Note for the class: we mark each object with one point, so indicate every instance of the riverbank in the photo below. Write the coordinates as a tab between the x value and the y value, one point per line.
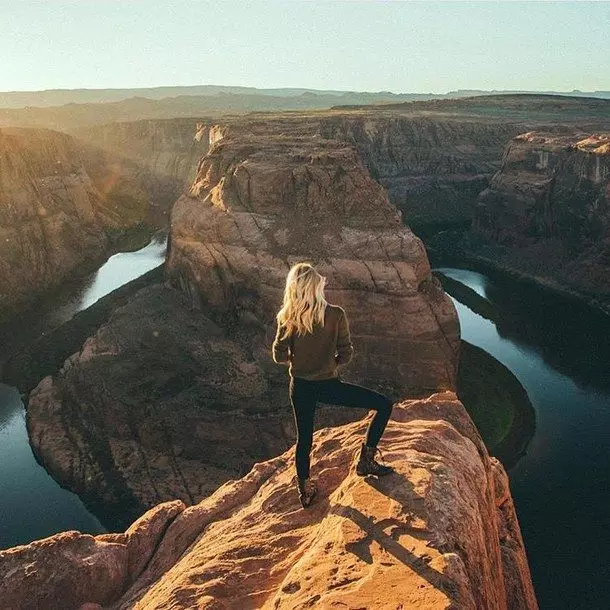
558	351
497	403
45	355
453	248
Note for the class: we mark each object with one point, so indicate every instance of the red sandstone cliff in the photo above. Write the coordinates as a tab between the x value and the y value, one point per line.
432	166
166	151
169	402
269	194
439	533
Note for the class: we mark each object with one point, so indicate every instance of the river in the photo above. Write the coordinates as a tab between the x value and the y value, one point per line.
560	352
32	504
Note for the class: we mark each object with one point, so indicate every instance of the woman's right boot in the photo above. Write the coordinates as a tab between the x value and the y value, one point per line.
368	465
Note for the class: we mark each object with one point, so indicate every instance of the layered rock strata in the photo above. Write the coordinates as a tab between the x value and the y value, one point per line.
441	532
167	401
166	151
548	211
433	167
63	208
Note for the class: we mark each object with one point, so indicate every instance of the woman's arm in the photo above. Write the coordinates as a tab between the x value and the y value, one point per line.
345	349
280	347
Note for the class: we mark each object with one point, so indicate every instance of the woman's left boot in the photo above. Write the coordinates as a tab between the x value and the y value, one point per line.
307	490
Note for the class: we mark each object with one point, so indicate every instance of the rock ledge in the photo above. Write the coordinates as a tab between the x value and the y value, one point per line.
439	533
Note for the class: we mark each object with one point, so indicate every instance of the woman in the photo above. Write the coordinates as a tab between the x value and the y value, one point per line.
313	337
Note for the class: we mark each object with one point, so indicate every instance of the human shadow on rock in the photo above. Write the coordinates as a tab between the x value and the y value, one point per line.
375	532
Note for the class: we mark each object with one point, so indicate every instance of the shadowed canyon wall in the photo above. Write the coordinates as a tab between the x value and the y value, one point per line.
548	210
63	207
66	204
166	151
432	167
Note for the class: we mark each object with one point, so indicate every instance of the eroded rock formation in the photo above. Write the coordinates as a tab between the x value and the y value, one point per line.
548	209
167	401
166	151
266	197
439	533
433	167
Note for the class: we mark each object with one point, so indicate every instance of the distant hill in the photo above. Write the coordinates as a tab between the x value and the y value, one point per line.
59	97
157	104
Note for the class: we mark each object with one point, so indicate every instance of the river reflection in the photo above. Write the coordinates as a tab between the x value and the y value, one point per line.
569	336
561	486
32	504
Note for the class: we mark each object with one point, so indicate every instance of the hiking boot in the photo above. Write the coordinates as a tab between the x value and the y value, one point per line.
307	490
368	465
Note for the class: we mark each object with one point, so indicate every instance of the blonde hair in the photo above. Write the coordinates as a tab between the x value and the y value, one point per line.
304	302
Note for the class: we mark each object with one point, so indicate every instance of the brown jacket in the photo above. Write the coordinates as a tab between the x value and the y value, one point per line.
317	355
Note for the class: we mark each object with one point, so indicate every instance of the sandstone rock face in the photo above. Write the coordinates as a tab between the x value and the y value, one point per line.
63	207
161	403
433	167
74	570
441	532
269	195
548	208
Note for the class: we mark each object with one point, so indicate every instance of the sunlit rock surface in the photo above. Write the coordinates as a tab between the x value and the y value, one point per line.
64	206
177	392
166	151
439	533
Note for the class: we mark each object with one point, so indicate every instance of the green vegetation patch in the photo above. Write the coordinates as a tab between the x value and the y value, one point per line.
497	403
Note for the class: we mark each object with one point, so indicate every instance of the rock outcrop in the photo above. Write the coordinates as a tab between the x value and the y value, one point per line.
441	532
270	194
161	403
548	211
63	208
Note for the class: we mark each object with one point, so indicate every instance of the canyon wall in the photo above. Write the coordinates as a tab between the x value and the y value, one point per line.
166	151
270	194
440	532
177	392
548	211
67	203
62	208
432	167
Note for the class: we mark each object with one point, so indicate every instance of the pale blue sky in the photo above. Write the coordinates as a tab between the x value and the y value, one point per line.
372	46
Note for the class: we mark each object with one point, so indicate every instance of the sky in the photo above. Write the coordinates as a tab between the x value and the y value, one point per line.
419	46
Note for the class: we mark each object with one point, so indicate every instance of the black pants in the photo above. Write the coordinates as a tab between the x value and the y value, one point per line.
304	394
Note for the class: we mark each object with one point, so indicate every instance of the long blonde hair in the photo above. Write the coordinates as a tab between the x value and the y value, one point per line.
304	302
